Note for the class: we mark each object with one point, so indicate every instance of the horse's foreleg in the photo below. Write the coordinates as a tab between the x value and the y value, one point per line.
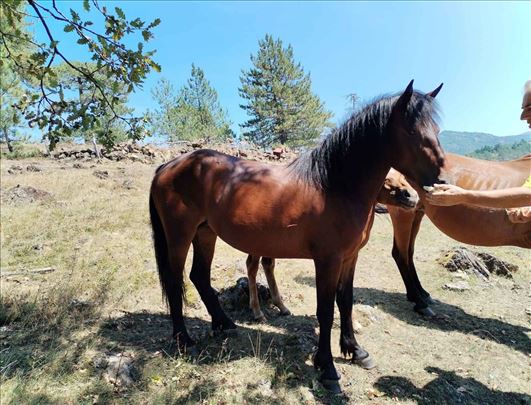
344	299
269	268
252	263
412	270
402	230
204	244
326	278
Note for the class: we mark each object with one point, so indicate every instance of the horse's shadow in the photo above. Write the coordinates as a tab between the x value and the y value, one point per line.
447	388
287	348
448	318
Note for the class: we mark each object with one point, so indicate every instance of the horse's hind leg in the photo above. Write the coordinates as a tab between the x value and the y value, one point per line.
344	300
269	268
204	243
179	237
252	263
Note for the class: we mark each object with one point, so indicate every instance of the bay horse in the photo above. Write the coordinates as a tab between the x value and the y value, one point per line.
465	223
317	207
396	191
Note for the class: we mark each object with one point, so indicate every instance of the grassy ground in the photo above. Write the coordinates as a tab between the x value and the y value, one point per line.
103	298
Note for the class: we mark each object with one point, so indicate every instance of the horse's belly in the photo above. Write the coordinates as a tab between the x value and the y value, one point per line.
479	226
276	243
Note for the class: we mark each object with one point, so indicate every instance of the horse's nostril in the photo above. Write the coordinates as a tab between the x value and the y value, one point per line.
406	194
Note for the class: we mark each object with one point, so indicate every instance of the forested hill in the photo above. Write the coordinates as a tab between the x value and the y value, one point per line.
464	143
502	151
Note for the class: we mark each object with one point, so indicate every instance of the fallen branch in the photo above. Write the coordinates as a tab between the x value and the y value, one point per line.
23	272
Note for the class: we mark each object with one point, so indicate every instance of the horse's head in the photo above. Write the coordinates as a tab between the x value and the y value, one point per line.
417	152
397	191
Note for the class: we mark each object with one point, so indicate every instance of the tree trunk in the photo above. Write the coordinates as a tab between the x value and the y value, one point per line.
96	150
8	142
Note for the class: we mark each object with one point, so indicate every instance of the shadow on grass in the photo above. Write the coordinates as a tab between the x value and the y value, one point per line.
448	388
449	318
150	333
37	332
287	350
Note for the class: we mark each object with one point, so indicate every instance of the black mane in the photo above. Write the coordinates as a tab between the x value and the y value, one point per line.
350	148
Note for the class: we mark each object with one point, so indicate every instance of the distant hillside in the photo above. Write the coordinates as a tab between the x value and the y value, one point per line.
464	143
502	151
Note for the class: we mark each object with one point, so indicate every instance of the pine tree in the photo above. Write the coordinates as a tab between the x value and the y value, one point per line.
194	113
279	99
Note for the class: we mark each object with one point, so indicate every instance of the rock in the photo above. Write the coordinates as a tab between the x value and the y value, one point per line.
101	174
237	296
15	169
78	166
278	152
128	184
264	388
357	326
119	368
457	286
367	314
459	274
33	168
306	395
137	158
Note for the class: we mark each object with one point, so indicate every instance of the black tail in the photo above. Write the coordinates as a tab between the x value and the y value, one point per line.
171	284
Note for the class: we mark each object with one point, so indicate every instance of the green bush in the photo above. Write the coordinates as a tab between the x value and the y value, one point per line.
23	151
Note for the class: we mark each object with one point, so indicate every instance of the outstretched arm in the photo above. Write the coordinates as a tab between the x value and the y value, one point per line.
447	194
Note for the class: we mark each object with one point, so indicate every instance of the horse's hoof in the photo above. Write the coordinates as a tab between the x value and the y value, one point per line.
285	312
428	300
191	351
260	319
224	325
367	362
331	386
426	311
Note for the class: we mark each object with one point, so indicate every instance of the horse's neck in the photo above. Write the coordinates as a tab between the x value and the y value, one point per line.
368	177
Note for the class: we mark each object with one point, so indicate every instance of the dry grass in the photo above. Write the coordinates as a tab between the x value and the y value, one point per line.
104	298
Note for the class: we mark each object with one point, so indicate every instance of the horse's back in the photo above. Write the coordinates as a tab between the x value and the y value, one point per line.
478	174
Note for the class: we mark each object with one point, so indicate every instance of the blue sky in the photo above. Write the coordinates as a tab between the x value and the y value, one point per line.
480	50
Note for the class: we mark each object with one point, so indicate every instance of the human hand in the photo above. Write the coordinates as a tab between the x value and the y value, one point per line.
519	215
446	195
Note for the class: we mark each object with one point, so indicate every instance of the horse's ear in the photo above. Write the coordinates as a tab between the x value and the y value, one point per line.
435	92
403	100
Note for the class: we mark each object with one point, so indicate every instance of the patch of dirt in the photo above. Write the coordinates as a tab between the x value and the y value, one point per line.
101	174
33	168
15	169
25	194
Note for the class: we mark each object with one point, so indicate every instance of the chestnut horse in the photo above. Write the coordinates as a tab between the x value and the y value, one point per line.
464	223
317	207
396	191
